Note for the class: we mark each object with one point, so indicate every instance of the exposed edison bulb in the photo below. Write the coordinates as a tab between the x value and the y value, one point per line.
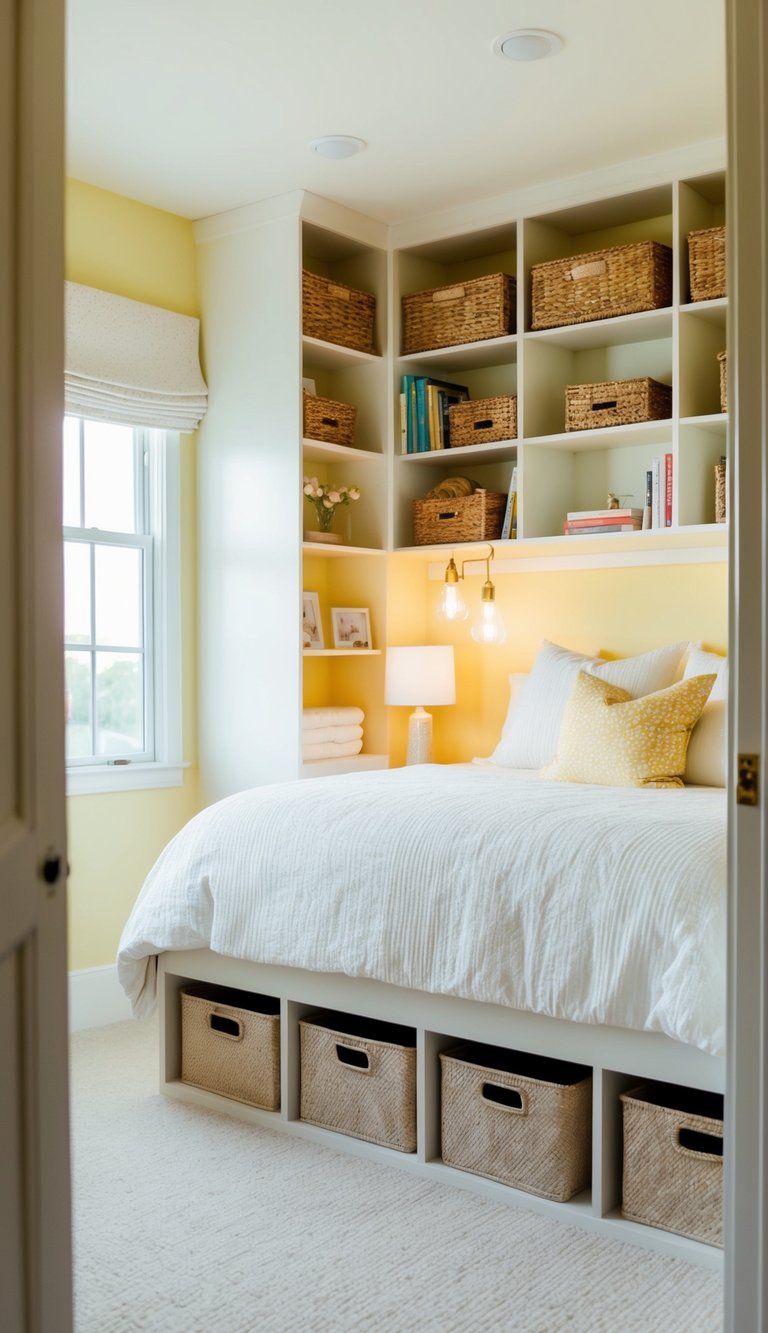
489	626
452	605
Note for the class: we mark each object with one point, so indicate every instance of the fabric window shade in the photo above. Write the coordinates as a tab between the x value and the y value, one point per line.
131	363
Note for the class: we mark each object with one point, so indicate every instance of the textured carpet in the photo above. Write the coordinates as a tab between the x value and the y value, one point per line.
189	1222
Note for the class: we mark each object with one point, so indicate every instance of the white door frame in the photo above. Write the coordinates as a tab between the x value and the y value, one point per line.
746	1297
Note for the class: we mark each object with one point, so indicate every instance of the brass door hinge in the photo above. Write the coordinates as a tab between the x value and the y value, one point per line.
748	784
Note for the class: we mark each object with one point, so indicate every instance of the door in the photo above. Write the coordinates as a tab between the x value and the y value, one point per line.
35	1283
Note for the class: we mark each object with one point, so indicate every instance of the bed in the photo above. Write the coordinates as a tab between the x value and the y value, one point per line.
470	901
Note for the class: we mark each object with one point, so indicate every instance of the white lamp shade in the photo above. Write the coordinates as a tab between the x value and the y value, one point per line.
421	675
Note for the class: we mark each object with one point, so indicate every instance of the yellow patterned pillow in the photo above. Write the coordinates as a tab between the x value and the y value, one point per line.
609	738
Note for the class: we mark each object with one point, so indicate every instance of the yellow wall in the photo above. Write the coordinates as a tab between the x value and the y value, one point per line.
143	253
616	612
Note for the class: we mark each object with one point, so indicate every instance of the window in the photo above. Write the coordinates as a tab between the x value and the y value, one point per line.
121	605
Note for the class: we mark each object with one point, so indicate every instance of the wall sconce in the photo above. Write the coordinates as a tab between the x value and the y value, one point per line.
489	626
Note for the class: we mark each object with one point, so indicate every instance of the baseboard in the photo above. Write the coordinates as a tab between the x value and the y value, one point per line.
96	998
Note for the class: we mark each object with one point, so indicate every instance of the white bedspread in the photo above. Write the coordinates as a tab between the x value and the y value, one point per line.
589	903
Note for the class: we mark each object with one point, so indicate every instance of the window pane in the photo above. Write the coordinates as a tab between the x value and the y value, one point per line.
110	500
119	596
72	515
119	703
77	710
77	592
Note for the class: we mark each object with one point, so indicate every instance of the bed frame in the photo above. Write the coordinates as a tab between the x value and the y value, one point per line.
619	1059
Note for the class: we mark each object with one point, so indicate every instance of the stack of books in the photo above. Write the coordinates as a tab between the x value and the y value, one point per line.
424	416
590	521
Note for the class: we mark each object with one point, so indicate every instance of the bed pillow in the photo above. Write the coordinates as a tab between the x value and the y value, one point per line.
613	740
530	733
707	761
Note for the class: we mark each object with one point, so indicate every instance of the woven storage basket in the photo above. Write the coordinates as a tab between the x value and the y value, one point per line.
520	1119
468	518
673	1164
723	359
465	312
336	313
358	1077
230	1044
484	420
616	403
618	281
720	492
706	263
327	420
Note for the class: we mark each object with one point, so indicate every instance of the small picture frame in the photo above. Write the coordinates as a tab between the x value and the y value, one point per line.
311	622
309	387
351	627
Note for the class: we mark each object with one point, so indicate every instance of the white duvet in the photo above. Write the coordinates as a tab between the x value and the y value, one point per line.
590	903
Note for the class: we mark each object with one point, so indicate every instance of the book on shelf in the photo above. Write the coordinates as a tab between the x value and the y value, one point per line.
667	490
577	530
612	518
403	423
509	525
648	510
575	515
427	406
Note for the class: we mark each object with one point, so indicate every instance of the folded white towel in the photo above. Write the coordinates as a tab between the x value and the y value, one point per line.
339	735
331	717
330	750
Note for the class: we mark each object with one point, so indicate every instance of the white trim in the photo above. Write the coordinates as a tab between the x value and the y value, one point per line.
96	998
123	777
165	524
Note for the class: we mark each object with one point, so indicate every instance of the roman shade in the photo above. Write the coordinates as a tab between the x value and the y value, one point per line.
129	362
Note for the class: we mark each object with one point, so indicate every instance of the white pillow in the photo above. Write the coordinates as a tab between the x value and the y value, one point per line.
532	726
706	763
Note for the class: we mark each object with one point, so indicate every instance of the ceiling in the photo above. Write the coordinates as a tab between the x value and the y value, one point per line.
197	107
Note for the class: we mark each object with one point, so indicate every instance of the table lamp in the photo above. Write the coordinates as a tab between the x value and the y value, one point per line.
417	676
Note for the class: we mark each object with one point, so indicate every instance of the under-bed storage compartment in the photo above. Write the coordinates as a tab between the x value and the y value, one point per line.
358	1077
673	1160
521	1119
230	1043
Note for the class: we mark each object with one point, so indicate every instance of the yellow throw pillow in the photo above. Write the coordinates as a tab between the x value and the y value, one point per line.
611	739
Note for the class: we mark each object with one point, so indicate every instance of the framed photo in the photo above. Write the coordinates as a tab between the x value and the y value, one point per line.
311	623
351	627
309	387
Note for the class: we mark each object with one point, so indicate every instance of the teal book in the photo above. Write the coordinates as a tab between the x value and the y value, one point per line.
422	427
407	387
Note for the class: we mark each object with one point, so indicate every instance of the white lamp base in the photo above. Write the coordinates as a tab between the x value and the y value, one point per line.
419	737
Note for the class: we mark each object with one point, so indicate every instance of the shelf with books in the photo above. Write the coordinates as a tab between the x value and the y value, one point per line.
557	482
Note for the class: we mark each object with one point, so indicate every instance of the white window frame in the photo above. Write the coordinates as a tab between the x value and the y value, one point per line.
165	715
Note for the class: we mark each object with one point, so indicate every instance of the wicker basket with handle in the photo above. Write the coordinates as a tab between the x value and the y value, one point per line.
521	1119
616	403
464	312
336	313
483	420
325	419
706	263
620	280
466	518
358	1076
723	360
720	491
673	1160
230	1044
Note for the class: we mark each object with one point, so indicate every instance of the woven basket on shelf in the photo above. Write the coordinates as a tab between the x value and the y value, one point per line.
358	1076
483	420
465	312
325	419
673	1163
621	280
336	313
723	359
720	491
466	518
706	263
524	1120
230	1044
616	403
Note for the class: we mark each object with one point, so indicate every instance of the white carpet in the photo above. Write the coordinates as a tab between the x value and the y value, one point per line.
189	1222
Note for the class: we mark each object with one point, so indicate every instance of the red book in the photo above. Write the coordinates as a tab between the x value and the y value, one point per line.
667	490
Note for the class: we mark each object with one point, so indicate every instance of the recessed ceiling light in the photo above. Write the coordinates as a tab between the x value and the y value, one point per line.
337	145
527	44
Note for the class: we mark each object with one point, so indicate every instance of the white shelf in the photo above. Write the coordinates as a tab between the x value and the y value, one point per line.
609	437
705	541
332	356
357	763
330	550
317	451
714	311
499	451
647	326
717	422
464	356
342	652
